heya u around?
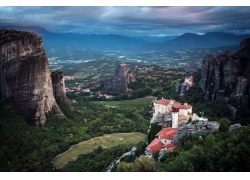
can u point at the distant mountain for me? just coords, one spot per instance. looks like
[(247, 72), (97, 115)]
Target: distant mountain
[(157, 39), (191, 40), (36, 29), (73, 41), (82, 41), (100, 42)]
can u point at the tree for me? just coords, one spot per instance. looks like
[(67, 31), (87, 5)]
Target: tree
[(144, 164), (125, 167), (224, 124), (141, 164), (155, 128)]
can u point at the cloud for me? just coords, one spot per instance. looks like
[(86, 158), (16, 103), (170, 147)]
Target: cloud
[(131, 20)]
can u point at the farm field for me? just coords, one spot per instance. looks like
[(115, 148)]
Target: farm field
[(129, 103), (106, 141)]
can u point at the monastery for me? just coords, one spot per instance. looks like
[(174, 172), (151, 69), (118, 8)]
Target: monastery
[(174, 117), (163, 142), (189, 81), (182, 88), (169, 113)]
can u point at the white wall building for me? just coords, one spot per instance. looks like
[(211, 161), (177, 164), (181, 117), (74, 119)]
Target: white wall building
[(170, 113)]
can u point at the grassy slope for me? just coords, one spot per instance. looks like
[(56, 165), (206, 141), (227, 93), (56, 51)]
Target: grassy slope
[(142, 102), (106, 141)]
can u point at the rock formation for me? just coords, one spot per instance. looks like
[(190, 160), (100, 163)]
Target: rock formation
[(119, 82), (182, 88), (59, 89), (233, 111), (195, 117), (178, 87), (234, 127), (192, 71), (227, 75), (195, 129), (121, 79), (25, 75)]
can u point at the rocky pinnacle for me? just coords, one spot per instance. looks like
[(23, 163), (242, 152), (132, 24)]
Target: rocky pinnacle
[(25, 75)]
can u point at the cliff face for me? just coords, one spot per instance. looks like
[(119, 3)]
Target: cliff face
[(25, 75), (121, 79), (227, 75), (119, 82), (59, 88)]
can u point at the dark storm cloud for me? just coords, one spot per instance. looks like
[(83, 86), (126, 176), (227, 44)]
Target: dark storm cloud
[(131, 20)]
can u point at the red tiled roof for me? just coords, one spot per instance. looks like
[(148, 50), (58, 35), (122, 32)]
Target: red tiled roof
[(170, 146), (176, 105), (167, 133), (185, 107), (163, 102), (155, 145)]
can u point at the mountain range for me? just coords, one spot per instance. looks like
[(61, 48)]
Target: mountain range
[(126, 43), (191, 40)]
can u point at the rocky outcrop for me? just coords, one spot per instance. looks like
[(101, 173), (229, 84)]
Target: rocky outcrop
[(195, 129), (233, 111), (241, 87), (185, 87), (227, 75), (119, 82), (25, 75), (192, 71), (178, 87), (182, 88), (234, 127), (121, 79), (59, 89), (195, 117), (207, 74)]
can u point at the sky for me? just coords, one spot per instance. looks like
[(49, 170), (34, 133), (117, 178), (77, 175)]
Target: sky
[(131, 20)]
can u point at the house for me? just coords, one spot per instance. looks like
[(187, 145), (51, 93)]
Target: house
[(169, 113), (166, 135), (163, 141), (86, 90), (108, 96), (153, 147), (69, 90), (69, 77)]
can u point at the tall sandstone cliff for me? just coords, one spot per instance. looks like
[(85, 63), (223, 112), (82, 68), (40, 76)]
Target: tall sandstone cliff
[(25, 75), (59, 90), (121, 79), (227, 75), (119, 82)]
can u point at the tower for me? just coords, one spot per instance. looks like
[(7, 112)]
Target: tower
[(175, 119)]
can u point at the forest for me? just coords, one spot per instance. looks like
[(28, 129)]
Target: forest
[(24, 148), (27, 148)]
